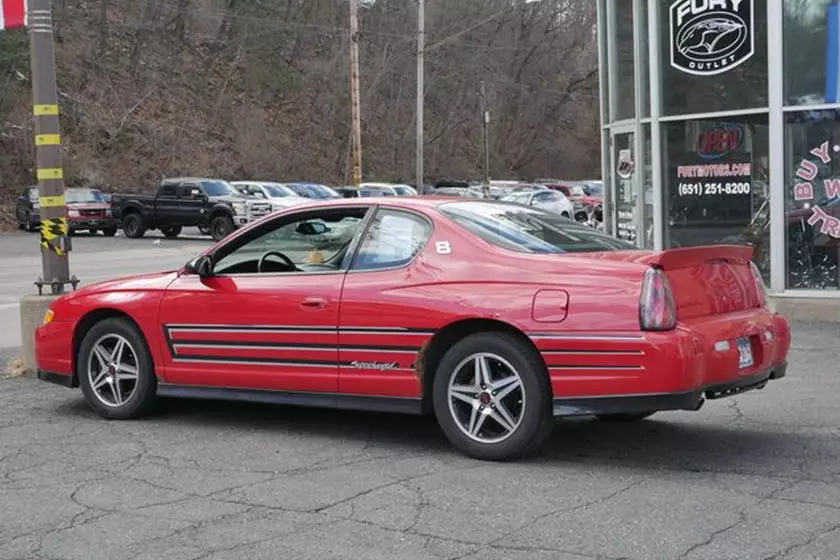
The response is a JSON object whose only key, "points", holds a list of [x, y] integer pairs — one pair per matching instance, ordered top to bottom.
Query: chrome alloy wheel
{"points": [[112, 370], [486, 398]]}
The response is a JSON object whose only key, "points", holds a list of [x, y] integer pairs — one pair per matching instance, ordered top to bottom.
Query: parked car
{"points": [[313, 190], [573, 191], [348, 192], [280, 196], [188, 201], [550, 201], [88, 209], [28, 210], [400, 317]]}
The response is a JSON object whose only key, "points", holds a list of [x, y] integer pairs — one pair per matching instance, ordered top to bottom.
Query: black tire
{"points": [[134, 226], [221, 227], [110, 231], [171, 232], [142, 398], [625, 417], [535, 420]]}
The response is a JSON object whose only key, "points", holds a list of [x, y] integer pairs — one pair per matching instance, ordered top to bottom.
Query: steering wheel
{"points": [[286, 260]]}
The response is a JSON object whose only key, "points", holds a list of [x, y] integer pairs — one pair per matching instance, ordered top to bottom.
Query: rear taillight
{"points": [[760, 288], [658, 312]]}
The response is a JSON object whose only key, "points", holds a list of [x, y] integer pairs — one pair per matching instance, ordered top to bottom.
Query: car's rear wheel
{"points": [[134, 226], [220, 227], [173, 231], [115, 370], [492, 398], [626, 417]]}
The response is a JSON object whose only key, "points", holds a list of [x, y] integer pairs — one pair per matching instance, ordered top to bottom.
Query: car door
{"points": [[192, 205], [167, 212], [256, 323], [381, 331]]}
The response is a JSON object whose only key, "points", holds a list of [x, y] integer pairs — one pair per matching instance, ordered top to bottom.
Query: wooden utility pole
{"points": [[421, 45], [354, 93], [485, 122], [55, 242]]}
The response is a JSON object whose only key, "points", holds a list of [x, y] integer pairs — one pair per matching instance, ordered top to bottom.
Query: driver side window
{"points": [[313, 244]]}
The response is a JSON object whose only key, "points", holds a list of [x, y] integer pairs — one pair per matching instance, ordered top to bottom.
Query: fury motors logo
{"points": [[710, 37]]}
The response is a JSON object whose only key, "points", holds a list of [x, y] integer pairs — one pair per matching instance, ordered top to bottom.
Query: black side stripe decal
{"points": [[289, 345]]}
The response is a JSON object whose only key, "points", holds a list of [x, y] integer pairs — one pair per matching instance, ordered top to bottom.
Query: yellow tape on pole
{"points": [[45, 110], [48, 139], [50, 173], [51, 201], [52, 230]]}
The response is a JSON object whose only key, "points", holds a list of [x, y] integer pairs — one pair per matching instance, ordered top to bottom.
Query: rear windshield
{"points": [[529, 230]]}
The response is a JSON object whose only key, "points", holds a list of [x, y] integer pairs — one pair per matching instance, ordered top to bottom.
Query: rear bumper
{"points": [[690, 400]]}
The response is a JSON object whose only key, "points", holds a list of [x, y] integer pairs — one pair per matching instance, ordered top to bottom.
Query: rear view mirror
{"points": [[311, 228], [202, 266]]}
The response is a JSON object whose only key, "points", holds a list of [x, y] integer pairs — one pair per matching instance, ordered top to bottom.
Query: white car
{"points": [[279, 195], [548, 200]]}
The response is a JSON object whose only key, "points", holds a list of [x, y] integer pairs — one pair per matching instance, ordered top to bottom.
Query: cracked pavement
{"points": [[751, 477]]}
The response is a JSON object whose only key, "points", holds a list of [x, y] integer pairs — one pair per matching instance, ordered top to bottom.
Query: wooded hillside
{"points": [[259, 88]]}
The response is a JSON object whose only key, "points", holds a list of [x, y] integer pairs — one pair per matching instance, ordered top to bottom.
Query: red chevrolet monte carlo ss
{"points": [[493, 316]]}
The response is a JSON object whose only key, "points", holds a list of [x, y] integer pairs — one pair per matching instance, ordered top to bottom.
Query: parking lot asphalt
{"points": [[751, 477]]}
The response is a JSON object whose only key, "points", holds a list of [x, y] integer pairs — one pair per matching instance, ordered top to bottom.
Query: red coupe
{"points": [[495, 317]]}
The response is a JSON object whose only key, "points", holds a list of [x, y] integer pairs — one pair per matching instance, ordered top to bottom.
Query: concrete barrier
{"points": [[32, 310]]}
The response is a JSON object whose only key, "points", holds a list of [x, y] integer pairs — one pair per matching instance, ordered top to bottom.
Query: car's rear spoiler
{"points": [[671, 259]]}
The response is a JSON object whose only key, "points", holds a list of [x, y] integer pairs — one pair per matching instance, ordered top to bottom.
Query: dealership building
{"points": [[721, 124]]}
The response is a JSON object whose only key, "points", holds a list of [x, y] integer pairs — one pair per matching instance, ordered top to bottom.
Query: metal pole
{"points": [[421, 45], [354, 92], [485, 121], [55, 243]]}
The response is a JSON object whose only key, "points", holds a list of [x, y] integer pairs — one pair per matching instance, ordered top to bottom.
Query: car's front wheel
{"points": [[115, 370], [492, 397]]}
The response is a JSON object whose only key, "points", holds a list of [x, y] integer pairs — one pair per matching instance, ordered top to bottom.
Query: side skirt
{"points": [[320, 400]]}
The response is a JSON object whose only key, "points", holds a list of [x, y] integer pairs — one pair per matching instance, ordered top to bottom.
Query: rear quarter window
{"points": [[527, 229]]}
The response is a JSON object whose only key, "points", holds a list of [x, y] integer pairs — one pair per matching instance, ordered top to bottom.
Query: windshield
{"points": [[218, 188], [277, 191], [405, 191], [577, 191], [325, 192], [77, 196], [529, 230]]}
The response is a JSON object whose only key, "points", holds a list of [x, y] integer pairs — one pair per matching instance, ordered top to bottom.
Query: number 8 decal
{"points": [[443, 247]]}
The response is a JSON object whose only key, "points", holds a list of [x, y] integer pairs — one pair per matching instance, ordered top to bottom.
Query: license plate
{"points": [[745, 355]]}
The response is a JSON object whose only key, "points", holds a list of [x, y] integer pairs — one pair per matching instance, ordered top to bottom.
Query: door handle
{"points": [[313, 303]]}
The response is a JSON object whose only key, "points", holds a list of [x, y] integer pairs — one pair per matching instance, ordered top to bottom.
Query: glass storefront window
{"points": [[812, 52], [625, 61], [711, 62], [716, 177], [647, 188], [812, 199]]}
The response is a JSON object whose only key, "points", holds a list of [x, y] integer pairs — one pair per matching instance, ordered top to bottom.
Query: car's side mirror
{"points": [[202, 266]]}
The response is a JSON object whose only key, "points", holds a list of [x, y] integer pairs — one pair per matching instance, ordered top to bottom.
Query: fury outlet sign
{"points": [[711, 37]]}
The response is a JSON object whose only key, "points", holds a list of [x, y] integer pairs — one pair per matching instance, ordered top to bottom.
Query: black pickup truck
{"points": [[209, 204]]}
